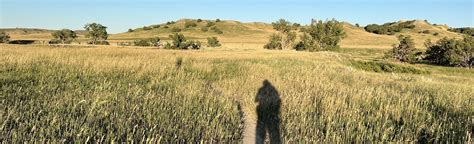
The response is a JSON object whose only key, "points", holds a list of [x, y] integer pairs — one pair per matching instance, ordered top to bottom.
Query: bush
{"points": [[199, 20], [218, 20], [170, 22], [189, 24], [210, 24], [357, 25], [156, 26], [165, 27], [145, 28], [389, 28], [175, 29], [204, 29], [130, 30], [217, 30], [466, 30], [425, 31], [436, 34], [64, 36], [321, 36], [4, 37], [102, 42], [147, 42], [180, 42], [213, 42], [274, 42], [405, 50], [451, 52], [386, 67]]}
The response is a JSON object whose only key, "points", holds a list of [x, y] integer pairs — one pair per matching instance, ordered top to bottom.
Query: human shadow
{"points": [[268, 111]]}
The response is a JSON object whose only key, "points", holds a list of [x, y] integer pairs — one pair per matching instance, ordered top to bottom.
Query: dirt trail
{"points": [[250, 136]]}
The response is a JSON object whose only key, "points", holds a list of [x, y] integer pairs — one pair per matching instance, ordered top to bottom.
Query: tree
{"points": [[199, 20], [218, 20], [189, 24], [130, 30], [96, 32], [285, 35], [64, 36], [321, 36], [4, 37], [180, 42], [213, 42], [274, 42], [405, 50], [451, 52]]}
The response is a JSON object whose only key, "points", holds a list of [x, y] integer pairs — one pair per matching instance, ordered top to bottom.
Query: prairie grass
{"points": [[106, 94]]}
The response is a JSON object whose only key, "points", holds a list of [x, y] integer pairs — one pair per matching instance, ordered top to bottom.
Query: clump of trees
{"points": [[170, 22], [145, 28], [389, 28], [175, 29], [217, 30], [466, 30], [97, 34], [321, 35], [64, 36], [285, 36], [4, 37], [150, 42], [180, 42], [213, 42], [274, 42], [405, 50], [451, 52]]}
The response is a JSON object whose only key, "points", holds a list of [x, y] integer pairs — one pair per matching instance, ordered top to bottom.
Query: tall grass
{"points": [[120, 94]]}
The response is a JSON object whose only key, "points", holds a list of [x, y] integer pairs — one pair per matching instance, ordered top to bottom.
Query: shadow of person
{"points": [[268, 111]]}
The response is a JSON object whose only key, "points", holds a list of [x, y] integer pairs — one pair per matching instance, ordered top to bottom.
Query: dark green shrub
{"points": [[199, 20], [218, 20], [170, 22], [189, 24], [357, 25], [156, 26], [165, 27], [145, 28], [389, 28], [204, 29], [130, 30], [217, 30], [466, 30], [425, 31], [436, 34], [64, 36], [322, 36], [4, 37], [102, 42], [147, 42], [180, 42], [213, 42], [274, 42], [194, 44], [405, 50], [451, 52]]}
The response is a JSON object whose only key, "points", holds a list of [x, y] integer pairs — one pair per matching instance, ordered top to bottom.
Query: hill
{"points": [[255, 35]]}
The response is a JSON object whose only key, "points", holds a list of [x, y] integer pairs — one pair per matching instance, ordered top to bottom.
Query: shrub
{"points": [[199, 20], [218, 20], [170, 22], [189, 24], [210, 24], [357, 25], [156, 26], [165, 27], [145, 28], [389, 28], [175, 29], [204, 29], [130, 30], [217, 30], [466, 30], [425, 31], [436, 34], [64, 36], [321, 36], [4, 37], [101, 42], [147, 42], [180, 42], [213, 42], [274, 42], [405, 50], [451, 52], [386, 67]]}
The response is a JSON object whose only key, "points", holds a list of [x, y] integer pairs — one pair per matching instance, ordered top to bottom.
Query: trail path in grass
{"points": [[250, 136]]}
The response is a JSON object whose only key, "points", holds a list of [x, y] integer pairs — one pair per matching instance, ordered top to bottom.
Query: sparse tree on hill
{"points": [[96, 32], [64, 36], [321, 36], [4, 37], [286, 37], [180, 42], [213, 42], [274, 42], [405, 50]]}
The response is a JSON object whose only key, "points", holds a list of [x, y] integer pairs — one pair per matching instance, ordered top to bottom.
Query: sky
{"points": [[120, 15]]}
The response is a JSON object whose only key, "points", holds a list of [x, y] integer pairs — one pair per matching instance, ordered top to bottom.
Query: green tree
{"points": [[189, 24], [96, 32], [64, 36], [286, 36], [321, 36], [4, 37], [178, 41], [148, 42], [213, 42], [274, 43], [405, 50], [451, 52]]}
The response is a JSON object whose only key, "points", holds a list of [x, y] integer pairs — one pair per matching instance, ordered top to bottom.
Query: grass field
{"points": [[103, 94]]}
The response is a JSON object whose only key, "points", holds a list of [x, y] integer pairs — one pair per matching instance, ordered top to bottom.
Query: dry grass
{"points": [[324, 98]]}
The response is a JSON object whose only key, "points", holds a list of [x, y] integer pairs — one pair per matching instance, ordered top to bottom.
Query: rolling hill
{"points": [[235, 32]]}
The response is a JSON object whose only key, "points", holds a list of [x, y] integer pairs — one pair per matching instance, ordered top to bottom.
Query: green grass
{"points": [[107, 94]]}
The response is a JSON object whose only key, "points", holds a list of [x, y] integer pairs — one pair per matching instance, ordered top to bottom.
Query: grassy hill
{"points": [[256, 34]]}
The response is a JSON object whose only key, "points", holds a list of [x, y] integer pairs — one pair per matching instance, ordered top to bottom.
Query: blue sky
{"points": [[119, 15]]}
